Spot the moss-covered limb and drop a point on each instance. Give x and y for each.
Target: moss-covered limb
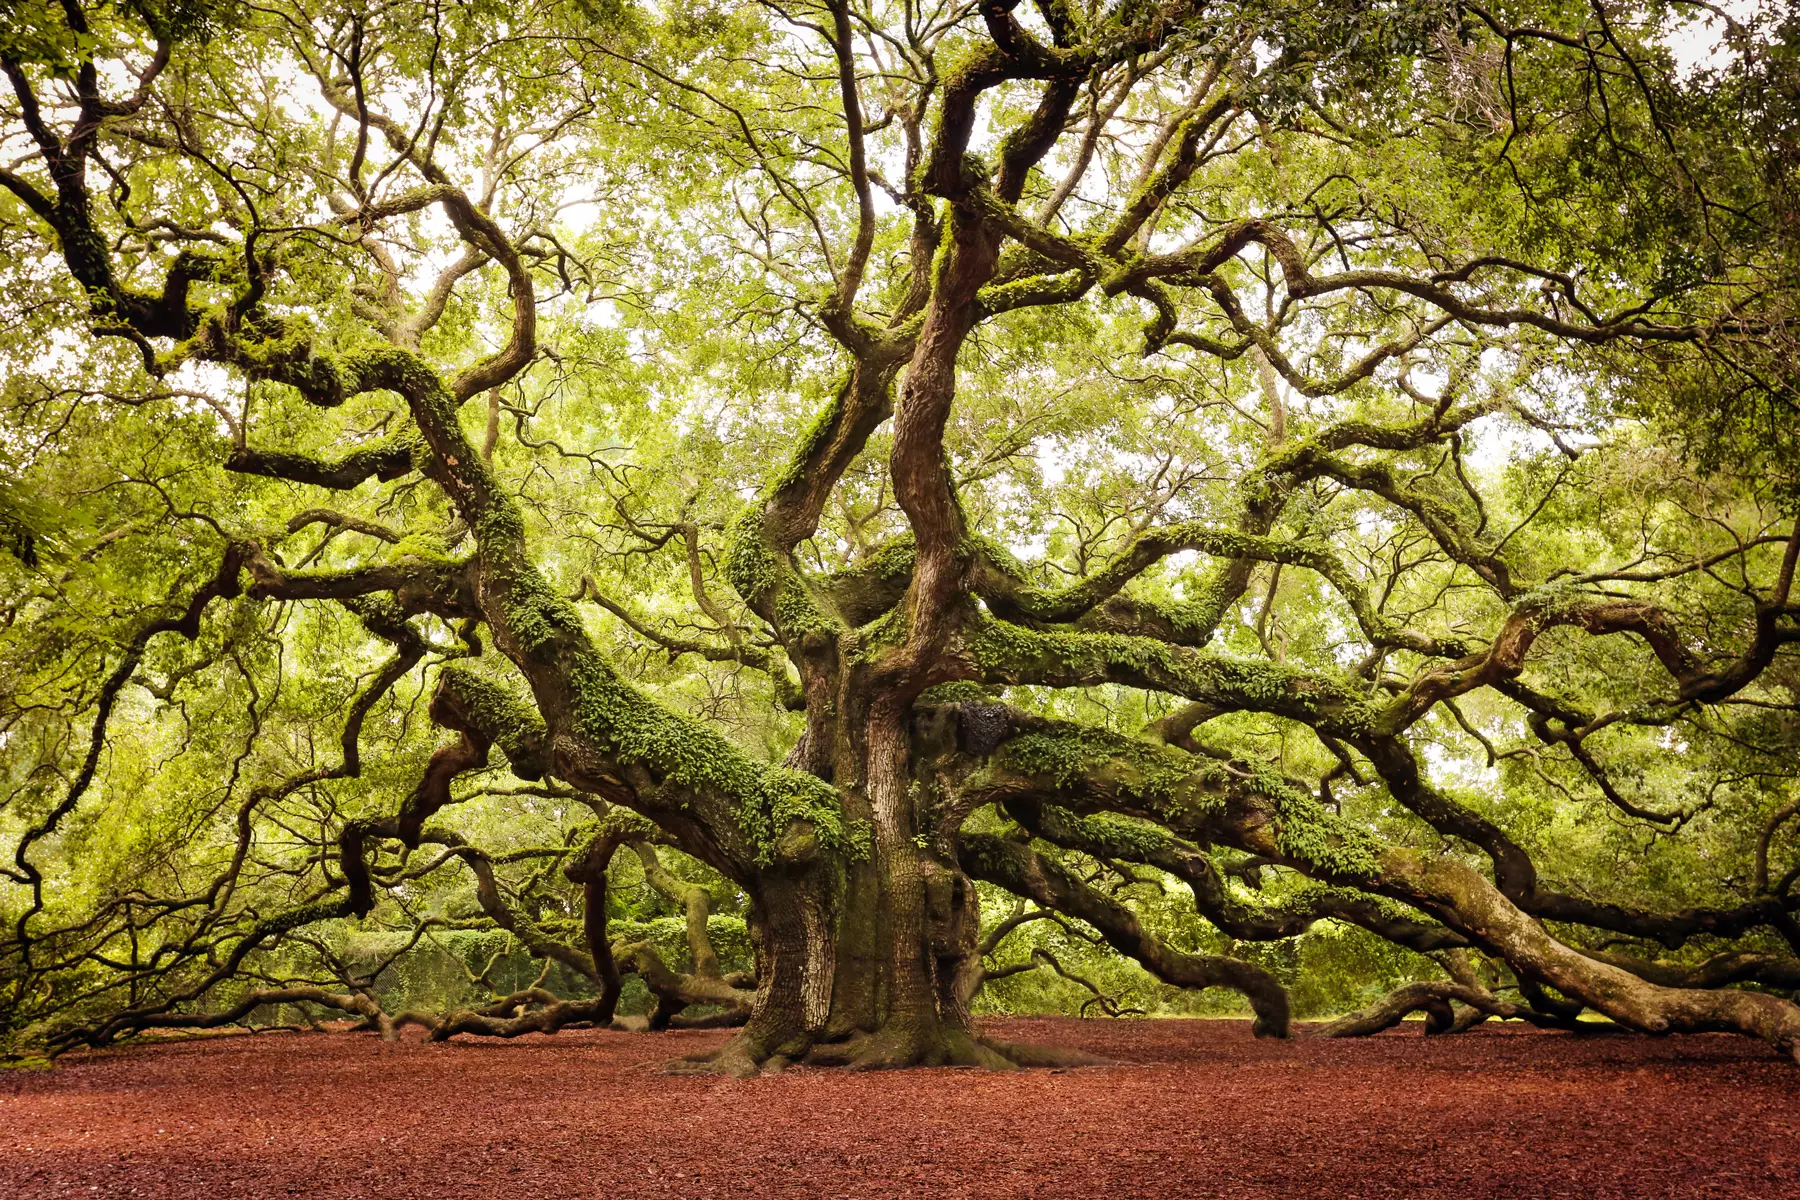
(875, 584)
(618, 826)
(1123, 839)
(774, 587)
(418, 584)
(696, 906)
(943, 171)
(484, 715)
(1440, 512)
(1107, 836)
(468, 702)
(1004, 652)
(787, 688)
(1502, 928)
(67, 206)
(1189, 624)
(1010, 653)
(334, 520)
(494, 905)
(1179, 801)
(1018, 758)
(1074, 770)
(603, 729)
(1025, 144)
(609, 737)
(1433, 997)
(1022, 871)
(1397, 923)
(675, 991)
(1177, 729)
(224, 585)
(1199, 798)
(1716, 970)
(792, 503)
(1034, 291)
(1303, 457)
(242, 333)
(1516, 875)
(548, 1016)
(388, 459)
(357, 1004)
(1053, 252)
(482, 234)
(753, 814)
(1083, 768)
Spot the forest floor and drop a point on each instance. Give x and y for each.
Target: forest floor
(1196, 1109)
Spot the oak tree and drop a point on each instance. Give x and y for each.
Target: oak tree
(913, 474)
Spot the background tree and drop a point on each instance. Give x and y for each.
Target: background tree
(866, 459)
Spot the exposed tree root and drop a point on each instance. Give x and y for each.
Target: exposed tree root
(730, 1019)
(894, 1047)
(1038, 1054)
(741, 1058)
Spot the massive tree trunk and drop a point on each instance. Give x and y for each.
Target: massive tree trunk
(865, 959)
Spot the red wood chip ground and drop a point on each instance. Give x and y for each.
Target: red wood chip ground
(1198, 1109)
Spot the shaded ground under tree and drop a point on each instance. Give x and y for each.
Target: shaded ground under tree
(1193, 1108)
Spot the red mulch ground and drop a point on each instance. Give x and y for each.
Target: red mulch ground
(1202, 1110)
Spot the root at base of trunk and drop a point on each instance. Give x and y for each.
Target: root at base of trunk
(890, 1048)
